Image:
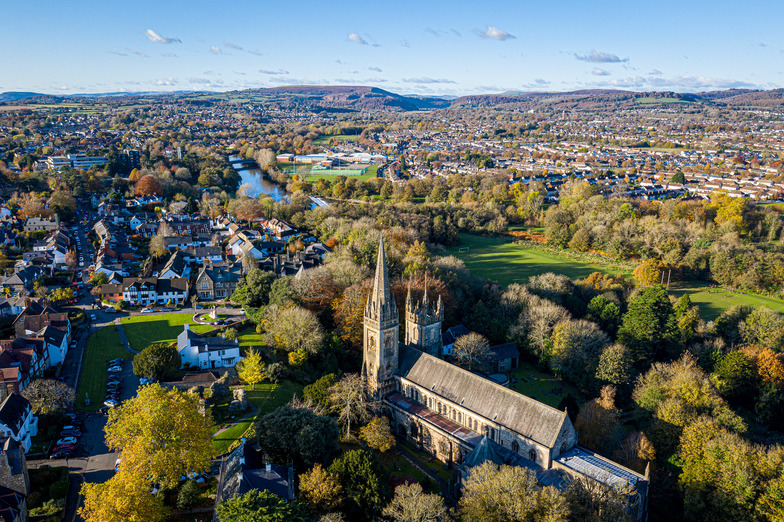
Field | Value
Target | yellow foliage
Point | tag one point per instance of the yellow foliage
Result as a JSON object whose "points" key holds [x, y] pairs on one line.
{"points": [[320, 489], [377, 434], [125, 497]]}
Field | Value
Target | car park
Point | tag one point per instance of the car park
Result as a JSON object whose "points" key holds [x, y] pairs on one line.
{"points": [[66, 440]]}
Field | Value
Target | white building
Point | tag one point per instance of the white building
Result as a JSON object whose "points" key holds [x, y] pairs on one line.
{"points": [[17, 420], [197, 351]]}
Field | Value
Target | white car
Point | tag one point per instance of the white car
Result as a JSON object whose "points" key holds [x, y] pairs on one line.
{"points": [[115, 369], [65, 440], [111, 403]]}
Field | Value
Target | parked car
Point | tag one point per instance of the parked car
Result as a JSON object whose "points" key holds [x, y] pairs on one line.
{"points": [[198, 307], [66, 440], [118, 362], [67, 447], [61, 454], [115, 369], [166, 309], [103, 410], [148, 310], [110, 310], [117, 465], [111, 403], [92, 317], [70, 433]]}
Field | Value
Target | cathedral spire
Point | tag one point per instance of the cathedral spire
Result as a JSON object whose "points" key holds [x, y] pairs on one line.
{"points": [[381, 304]]}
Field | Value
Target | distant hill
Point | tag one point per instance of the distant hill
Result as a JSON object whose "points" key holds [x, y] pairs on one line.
{"points": [[345, 98], [15, 96]]}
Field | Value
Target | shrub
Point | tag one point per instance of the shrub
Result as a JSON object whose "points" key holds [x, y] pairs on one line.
{"points": [[276, 372], [189, 495], [59, 489]]}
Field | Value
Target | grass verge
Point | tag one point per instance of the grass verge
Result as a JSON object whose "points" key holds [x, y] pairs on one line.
{"points": [[144, 330], [102, 347]]}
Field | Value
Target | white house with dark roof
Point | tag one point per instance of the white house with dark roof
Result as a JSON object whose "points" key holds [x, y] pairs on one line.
{"points": [[198, 351], [17, 420]]}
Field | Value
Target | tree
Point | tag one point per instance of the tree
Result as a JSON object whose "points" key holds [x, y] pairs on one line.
{"points": [[48, 394], [253, 289], [765, 328], [318, 392], [251, 369], [597, 423], [649, 272], [615, 365], [649, 328], [161, 434], [158, 362], [298, 434], [125, 497], [605, 313], [293, 328], [157, 247], [678, 177], [590, 500], [265, 158], [577, 347], [635, 451], [348, 311], [360, 478], [472, 351], [411, 504], [320, 489], [770, 369], [377, 434], [148, 185], [189, 495], [98, 279], [509, 493], [734, 376], [351, 399], [260, 506]]}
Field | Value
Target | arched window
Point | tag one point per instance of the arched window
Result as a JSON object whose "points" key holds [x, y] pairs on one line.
{"points": [[515, 446], [532, 455]]}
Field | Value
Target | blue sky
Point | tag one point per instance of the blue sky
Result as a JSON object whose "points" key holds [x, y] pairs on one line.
{"points": [[424, 47]]}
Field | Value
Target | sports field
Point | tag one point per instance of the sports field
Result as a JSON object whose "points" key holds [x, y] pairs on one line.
{"points": [[323, 140], [500, 259], [714, 301]]}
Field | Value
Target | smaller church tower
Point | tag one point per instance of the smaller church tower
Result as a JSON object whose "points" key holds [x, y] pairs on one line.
{"points": [[382, 332], [423, 324]]}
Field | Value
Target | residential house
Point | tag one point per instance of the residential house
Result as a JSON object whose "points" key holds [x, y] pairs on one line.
{"points": [[451, 335], [143, 291], [217, 281], [178, 225], [13, 469], [22, 281], [504, 357], [175, 267], [17, 420], [13, 506], [245, 469], [201, 254], [198, 351], [34, 224], [21, 359]]}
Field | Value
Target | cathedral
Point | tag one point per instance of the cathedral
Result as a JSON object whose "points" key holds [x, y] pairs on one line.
{"points": [[462, 418]]}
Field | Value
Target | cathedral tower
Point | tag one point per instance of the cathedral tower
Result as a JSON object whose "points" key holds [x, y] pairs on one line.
{"points": [[423, 324], [381, 337]]}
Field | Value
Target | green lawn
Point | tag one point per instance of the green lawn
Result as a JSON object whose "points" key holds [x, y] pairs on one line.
{"points": [[322, 140], [266, 397], [143, 330], [250, 338], [502, 260], [102, 347], [543, 387], [714, 301]]}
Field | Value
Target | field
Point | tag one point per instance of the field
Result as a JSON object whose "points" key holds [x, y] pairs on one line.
{"points": [[143, 330], [714, 301], [102, 347], [322, 140], [328, 174], [499, 259], [266, 398]]}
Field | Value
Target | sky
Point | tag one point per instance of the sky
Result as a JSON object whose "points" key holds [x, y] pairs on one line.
{"points": [[407, 47]]}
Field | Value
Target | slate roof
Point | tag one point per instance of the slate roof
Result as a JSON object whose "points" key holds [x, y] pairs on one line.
{"points": [[453, 333], [504, 351], [245, 470], [176, 263], [204, 344], [524, 415], [57, 320], [598, 468], [11, 505], [13, 411]]}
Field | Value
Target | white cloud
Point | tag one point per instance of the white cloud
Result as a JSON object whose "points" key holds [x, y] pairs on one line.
{"points": [[140, 54], [229, 45], [600, 72], [683, 83], [655, 72], [600, 57], [214, 49], [168, 81], [494, 33], [424, 80], [256, 52], [274, 73], [376, 69], [354, 37], [157, 38]]}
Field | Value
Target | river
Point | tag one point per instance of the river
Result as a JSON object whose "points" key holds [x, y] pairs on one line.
{"points": [[261, 185]]}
